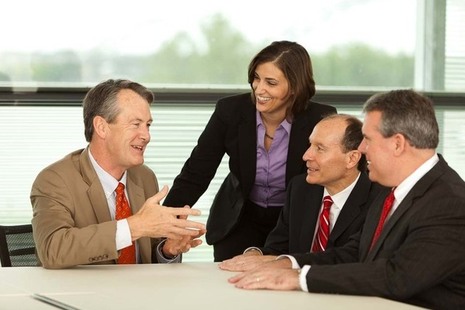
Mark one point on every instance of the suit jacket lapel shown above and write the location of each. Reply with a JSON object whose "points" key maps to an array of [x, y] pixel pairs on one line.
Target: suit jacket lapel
{"points": [[401, 209], [310, 210], [135, 193], [418, 190], [351, 208], [374, 213], [247, 144], [95, 191]]}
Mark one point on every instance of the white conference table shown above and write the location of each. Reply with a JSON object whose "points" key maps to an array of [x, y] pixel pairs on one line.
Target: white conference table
{"points": [[200, 286]]}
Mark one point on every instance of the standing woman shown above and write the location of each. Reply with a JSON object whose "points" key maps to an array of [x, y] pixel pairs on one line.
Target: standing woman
{"points": [[265, 133]]}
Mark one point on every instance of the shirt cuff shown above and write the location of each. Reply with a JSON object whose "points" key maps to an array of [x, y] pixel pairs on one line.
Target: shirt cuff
{"points": [[162, 259], [123, 234], [295, 265], [253, 248], [303, 278]]}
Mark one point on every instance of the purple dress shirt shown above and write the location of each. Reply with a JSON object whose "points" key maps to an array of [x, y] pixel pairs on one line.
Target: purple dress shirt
{"points": [[269, 189]]}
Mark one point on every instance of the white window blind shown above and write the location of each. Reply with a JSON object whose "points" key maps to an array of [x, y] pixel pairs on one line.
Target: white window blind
{"points": [[34, 137], [454, 75]]}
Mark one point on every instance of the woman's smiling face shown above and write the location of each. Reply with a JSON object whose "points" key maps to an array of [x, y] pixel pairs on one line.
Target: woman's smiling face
{"points": [[271, 89]]}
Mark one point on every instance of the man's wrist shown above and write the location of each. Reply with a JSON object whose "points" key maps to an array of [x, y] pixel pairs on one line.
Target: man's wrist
{"points": [[168, 256], [293, 261]]}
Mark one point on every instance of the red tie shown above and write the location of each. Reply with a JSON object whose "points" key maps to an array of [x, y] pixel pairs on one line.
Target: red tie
{"points": [[128, 254], [321, 239], [387, 206]]}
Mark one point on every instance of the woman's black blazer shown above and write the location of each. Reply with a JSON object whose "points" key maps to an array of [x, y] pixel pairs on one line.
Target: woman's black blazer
{"points": [[232, 130]]}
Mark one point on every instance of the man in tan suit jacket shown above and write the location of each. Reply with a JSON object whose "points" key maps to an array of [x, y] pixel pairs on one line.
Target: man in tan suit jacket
{"points": [[73, 199]]}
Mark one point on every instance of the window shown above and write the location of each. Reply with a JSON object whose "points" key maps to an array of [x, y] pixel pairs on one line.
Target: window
{"points": [[354, 44]]}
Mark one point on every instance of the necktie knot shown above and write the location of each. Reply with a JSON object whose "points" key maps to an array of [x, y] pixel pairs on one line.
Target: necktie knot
{"points": [[327, 202], [119, 189], [390, 199]]}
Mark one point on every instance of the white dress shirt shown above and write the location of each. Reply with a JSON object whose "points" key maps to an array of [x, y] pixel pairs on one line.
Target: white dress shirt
{"points": [[123, 233]]}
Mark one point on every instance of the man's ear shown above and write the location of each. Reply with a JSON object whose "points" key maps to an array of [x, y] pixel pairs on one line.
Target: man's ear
{"points": [[399, 143], [353, 157], [100, 126]]}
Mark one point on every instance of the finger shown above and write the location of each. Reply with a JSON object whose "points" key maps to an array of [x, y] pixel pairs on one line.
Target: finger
{"points": [[186, 241], [173, 236], [183, 211], [233, 267], [183, 217], [178, 242], [227, 267], [195, 243], [237, 278], [195, 227], [251, 281], [179, 233], [160, 195], [200, 233], [227, 263]]}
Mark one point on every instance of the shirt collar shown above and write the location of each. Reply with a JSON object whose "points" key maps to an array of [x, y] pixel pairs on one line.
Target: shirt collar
{"points": [[285, 124], [109, 183], [340, 198], [404, 188]]}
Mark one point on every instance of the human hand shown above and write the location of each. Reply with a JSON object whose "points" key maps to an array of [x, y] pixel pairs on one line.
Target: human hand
{"points": [[283, 279], [247, 261], [173, 247], [155, 221]]}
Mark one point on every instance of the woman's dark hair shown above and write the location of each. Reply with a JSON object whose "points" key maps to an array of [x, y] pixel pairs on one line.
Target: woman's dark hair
{"points": [[295, 63]]}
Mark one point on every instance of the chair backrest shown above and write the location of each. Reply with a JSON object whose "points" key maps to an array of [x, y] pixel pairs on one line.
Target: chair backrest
{"points": [[17, 246]]}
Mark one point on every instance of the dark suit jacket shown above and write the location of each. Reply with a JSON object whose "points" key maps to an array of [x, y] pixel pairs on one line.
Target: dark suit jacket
{"points": [[297, 223], [71, 221], [232, 130], [419, 257]]}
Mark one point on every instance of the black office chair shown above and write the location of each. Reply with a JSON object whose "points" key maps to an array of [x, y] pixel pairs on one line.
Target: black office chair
{"points": [[17, 246]]}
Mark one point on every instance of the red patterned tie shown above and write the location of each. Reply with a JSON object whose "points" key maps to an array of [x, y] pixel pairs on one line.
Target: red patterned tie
{"points": [[322, 235], [387, 206], [128, 254]]}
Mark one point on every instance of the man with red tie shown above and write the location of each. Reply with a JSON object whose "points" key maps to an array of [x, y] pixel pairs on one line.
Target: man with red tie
{"points": [[100, 204], [324, 206], [418, 254]]}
